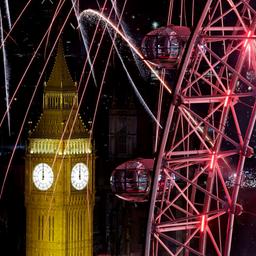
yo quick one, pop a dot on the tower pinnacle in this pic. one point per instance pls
(60, 78)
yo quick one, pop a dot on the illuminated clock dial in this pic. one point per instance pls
(43, 176)
(79, 176)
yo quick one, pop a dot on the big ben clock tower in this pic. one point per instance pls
(59, 190)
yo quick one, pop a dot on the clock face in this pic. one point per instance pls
(79, 176)
(43, 176)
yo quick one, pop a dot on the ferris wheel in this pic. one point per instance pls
(206, 143)
(207, 135)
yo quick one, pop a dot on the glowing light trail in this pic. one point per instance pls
(90, 47)
(126, 33)
(8, 13)
(93, 12)
(144, 104)
(129, 77)
(14, 24)
(95, 56)
(28, 66)
(106, 66)
(57, 10)
(6, 76)
(31, 101)
(141, 99)
(126, 71)
(85, 41)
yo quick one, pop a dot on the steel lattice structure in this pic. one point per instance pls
(207, 135)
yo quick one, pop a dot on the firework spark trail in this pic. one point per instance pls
(85, 41)
(6, 75)
(27, 68)
(106, 66)
(58, 8)
(90, 47)
(144, 104)
(88, 77)
(30, 104)
(107, 21)
(125, 30)
(14, 24)
(8, 13)
(128, 75)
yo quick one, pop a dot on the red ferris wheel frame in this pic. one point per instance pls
(207, 135)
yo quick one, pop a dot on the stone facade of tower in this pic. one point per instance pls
(59, 181)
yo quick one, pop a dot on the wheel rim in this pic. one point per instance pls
(206, 137)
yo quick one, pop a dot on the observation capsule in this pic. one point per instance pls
(164, 46)
(131, 181)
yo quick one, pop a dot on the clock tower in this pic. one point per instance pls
(59, 182)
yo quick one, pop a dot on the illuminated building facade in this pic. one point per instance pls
(59, 181)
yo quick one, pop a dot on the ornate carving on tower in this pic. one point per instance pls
(59, 191)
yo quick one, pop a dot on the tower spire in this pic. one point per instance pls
(60, 78)
(60, 104)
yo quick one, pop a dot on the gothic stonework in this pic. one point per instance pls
(59, 197)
